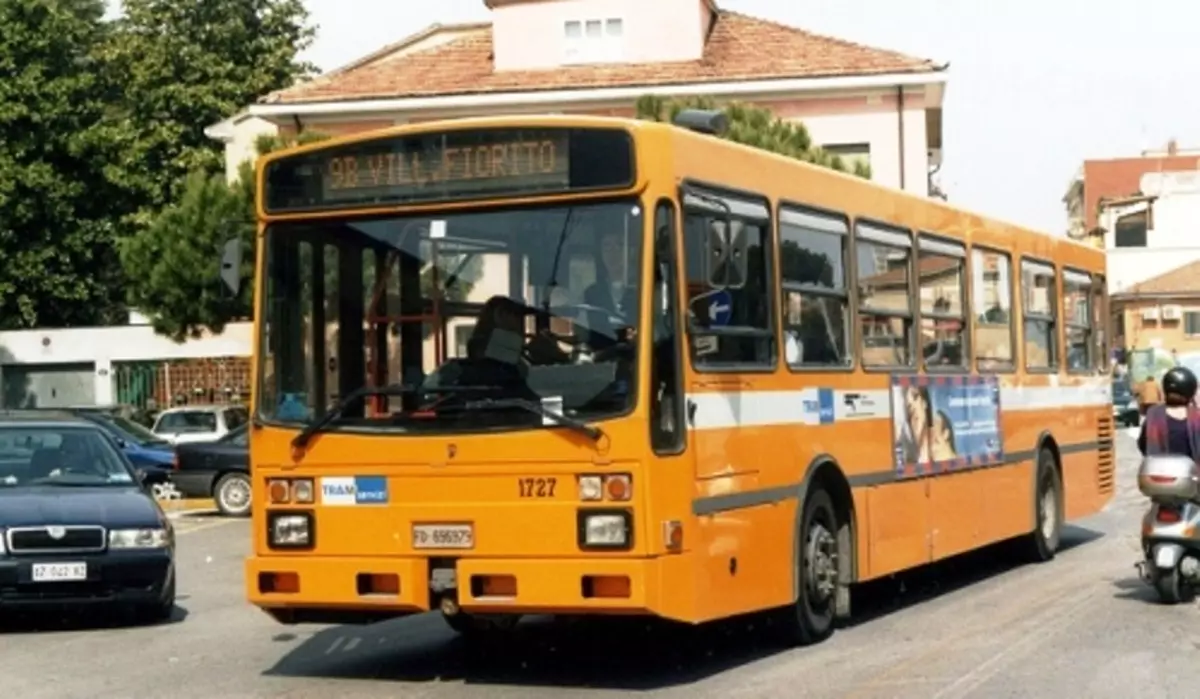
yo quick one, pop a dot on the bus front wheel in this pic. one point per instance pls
(1042, 544)
(810, 618)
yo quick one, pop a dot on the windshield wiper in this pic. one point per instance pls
(301, 440)
(591, 432)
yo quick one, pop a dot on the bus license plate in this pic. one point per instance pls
(443, 536)
(59, 572)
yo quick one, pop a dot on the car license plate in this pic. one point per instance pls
(59, 572)
(443, 536)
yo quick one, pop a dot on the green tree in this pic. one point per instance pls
(186, 65)
(174, 263)
(753, 126)
(60, 181)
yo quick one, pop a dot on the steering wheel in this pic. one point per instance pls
(611, 316)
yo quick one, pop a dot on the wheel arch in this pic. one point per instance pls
(824, 472)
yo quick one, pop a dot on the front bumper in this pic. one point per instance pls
(321, 589)
(113, 578)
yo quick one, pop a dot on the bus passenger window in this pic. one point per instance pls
(812, 264)
(941, 267)
(884, 291)
(1077, 320)
(1039, 306)
(1100, 324)
(991, 300)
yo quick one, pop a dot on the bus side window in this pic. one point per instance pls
(941, 272)
(1077, 320)
(1039, 313)
(813, 249)
(885, 315)
(666, 381)
(1100, 323)
(991, 300)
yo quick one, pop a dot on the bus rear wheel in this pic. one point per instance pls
(810, 618)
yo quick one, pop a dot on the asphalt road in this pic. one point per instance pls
(1081, 626)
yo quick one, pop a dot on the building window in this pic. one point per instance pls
(991, 300)
(593, 40)
(813, 249)
(853, 155)
(1191, 323)
(1039, 310)
(1131, 231)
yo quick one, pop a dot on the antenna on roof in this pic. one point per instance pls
(708, 121)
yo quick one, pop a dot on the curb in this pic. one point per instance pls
(181, 507)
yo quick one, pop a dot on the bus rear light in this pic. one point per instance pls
(617, 487)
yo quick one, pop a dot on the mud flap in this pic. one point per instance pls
(841, 599)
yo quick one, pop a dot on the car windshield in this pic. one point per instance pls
(63, 455)
(537, 304)
(136, 433)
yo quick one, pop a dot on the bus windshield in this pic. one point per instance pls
(476, 315)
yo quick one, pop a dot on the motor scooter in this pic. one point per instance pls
(1171, 527)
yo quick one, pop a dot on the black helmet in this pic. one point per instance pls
(1181, 382)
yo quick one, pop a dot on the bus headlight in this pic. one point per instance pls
(605, 529)
(290, 530)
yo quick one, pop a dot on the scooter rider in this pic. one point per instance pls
(1173, 427)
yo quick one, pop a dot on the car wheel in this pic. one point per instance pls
(232, 495)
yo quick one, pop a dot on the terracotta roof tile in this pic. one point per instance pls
(1184, 279)
(740, 47)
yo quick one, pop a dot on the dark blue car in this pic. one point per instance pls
(148, 452)
(77, 528)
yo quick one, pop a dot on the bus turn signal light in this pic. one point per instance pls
(615, 487)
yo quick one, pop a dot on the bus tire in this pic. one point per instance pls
(1042, 543)
(810, 619)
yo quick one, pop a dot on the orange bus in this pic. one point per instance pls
(574, 365)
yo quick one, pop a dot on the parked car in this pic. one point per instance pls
(147, 451)
(198, 423)
(1125, 405)
(77, 528)
(220, 470)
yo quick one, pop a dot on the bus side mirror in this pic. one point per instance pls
(725, 255)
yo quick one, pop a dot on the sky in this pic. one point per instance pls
(1035, 86)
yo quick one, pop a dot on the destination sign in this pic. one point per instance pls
(450, 166)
